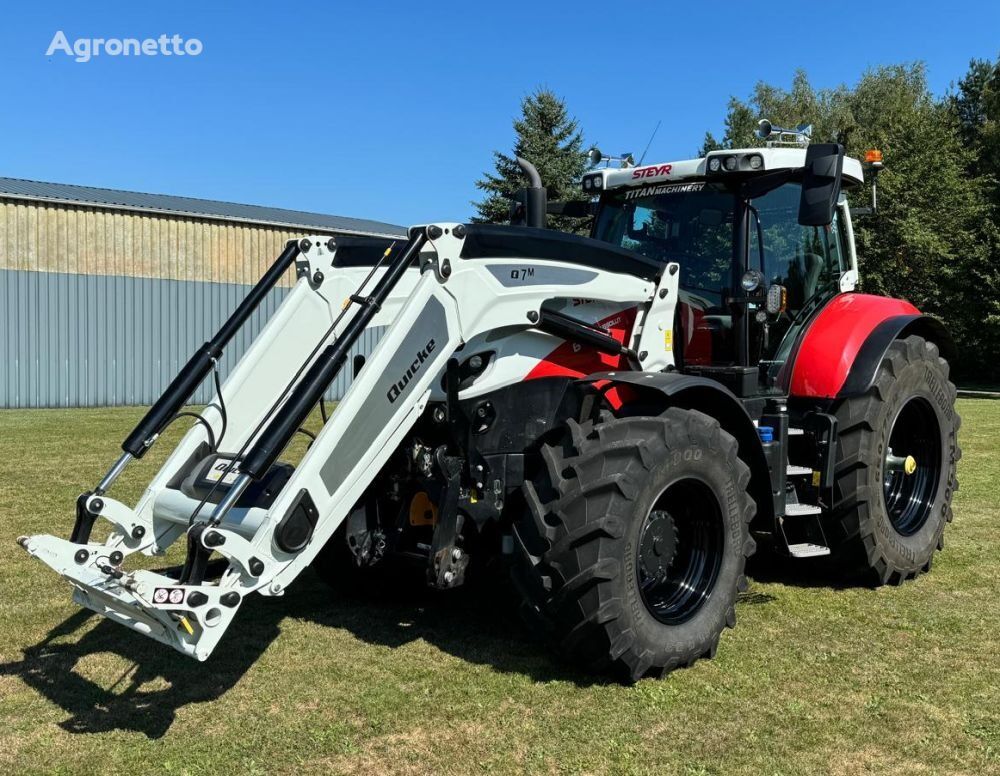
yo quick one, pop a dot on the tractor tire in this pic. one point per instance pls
(631, 552)
(896, 468)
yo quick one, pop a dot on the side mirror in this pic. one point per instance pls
(821, 184)
(594, 156)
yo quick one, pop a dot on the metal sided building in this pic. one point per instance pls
(105, 294)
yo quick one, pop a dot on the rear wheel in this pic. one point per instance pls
(632, 550)
(896, 468)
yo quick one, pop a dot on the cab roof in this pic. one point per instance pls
(690, 169)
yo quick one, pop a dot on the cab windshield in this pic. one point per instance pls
(692, 224)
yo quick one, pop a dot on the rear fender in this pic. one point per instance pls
(840, 352)
(657, 391)
(876, 346)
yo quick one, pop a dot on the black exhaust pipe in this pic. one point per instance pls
(535, 197)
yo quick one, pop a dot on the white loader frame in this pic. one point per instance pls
(430, 312)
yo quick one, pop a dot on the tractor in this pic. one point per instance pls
(617, 421)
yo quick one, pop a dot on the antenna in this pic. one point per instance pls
(655, 130)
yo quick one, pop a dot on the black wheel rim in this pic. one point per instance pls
(680, 551)
(912, 466)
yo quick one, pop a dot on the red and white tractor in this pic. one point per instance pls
(622, 418)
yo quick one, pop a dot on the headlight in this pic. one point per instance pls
(714, 164)
(730, 163)
(756, 162)
(587, 184)
(751, 280)
(598, 182)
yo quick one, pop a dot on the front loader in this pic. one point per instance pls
(621, 419)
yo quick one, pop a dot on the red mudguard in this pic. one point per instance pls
(831, 343)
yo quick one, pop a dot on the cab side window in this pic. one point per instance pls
(804, 259)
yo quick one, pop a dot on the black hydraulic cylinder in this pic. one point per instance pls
(273, 439)
(570, 328)
(200, 364)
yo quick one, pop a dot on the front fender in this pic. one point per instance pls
(673, 389)
(842, 348)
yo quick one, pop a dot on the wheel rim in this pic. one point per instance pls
(912, 466)
(680, 551)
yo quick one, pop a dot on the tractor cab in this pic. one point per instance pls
(763, 239)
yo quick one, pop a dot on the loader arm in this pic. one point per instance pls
(428, 312)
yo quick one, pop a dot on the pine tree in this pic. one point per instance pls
(551, 140)
(976, 106)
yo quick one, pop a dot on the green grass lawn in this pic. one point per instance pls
(812, 680)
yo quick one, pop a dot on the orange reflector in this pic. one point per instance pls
(422, 510)
(873, 155)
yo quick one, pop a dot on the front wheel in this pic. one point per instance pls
(632, 550)
(896, 469)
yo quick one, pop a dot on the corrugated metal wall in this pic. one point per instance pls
(41, 237)
(102, 308)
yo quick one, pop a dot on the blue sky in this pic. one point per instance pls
(391, 110)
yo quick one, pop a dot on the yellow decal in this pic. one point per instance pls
(817, 478)
(668, 340)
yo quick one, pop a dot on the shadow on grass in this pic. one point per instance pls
(769, 566)
(477, 625)
(146, 697)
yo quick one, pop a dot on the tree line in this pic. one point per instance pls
(935, 237)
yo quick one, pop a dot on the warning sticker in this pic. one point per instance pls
(668, 340)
